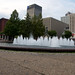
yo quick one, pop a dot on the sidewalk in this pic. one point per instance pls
(28, 63)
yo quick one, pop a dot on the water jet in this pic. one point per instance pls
(41, 44)
(49, 42)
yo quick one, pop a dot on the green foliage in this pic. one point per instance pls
(14, 16)
(52, 33)
(37, 25)
(28, 26)
(67, 34)
(1, 32)
(32, 26)
(15, 26)
(12, 26)
(22, 27)
(25, 26)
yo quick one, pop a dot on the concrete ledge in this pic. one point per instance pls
(37, 49)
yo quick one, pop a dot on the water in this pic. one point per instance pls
(50, 42)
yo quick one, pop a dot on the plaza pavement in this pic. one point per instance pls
(30, 63)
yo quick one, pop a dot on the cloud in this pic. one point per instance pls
(3, 15)
(22, 14)
(58, 8)
(50, 8)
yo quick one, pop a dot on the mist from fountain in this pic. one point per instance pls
(50, 42)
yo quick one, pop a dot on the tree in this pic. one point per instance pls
(52, 33)
(12, 26)
(15, 26)
(14, 16)
(28, 25)
(1, 33)
(38, 27)
(22, 27)
(67, 34)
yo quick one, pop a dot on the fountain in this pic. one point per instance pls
(41, 44)
(49, 42)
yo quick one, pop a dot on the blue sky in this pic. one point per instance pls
(51, 8)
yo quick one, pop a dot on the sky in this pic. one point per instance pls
(50, 8)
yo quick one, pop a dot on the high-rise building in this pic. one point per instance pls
(34, 9)
(49, 23)
(69, 18)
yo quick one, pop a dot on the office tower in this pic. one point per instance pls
(34, 10)
(69, 18)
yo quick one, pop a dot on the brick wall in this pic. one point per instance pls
(2, 23)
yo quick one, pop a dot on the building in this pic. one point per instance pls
(2, 23)
(49, 23)
(34, 10)
(69, 18)
(53, 24)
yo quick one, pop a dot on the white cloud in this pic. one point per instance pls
(51, 8)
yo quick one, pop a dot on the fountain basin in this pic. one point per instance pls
(36, 48)
(41, 44)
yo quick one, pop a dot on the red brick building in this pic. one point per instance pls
(2, 23)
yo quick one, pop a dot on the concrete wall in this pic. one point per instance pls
(31, 12)
(54, 24)
(34, 10)
(47, 23)
(58, 26)
(69, 19)
(37, 12)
